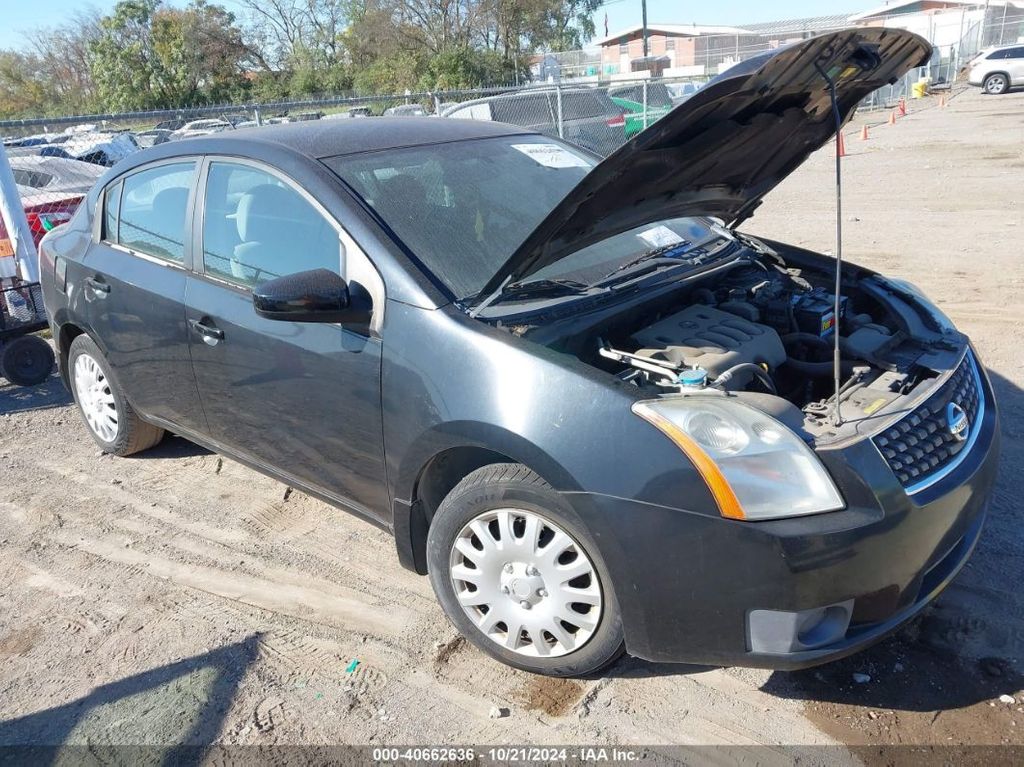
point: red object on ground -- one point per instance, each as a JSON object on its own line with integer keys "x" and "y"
{"x": 902, "y": 107}
{"x": 864, "y": 133}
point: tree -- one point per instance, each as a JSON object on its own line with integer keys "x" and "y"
{"x": 147, "y": 56}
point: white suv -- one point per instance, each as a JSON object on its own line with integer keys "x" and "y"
{"x": 998, "y": 69}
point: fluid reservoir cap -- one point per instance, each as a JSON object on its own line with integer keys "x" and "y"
{"x": 696, "y": 377}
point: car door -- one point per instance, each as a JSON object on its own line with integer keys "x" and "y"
{"x": 133, "y": 282}
{"x": 301, "y": 398}
{"x": 1015, "y": 65}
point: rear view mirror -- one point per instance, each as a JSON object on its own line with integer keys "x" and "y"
{"x": 318, "y": 295}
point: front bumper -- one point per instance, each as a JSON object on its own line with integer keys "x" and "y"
{"x": 687, "y": 583}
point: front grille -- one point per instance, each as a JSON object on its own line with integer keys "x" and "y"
{"x": 920, "y": 448}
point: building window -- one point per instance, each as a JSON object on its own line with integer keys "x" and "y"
{"x": 670, "y": 43}
{"x": 624, "y": 45}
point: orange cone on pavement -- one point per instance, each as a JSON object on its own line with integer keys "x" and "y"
{"x": 864, "y": 133}
{"x": 892, "y": 117}
{"x": 902, "y": 107}
{"x": 942, "y": 100}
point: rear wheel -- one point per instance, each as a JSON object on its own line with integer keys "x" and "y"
{"x": 26, "y": 360}
{"x": 111, "y": 420}
{"x": 520, "y": 578}
{"x": 996, "y": 84}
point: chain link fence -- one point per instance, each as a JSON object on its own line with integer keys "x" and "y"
{"x": 55, "y": 161}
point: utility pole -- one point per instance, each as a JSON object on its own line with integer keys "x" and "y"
{"x": 643, "y": 6}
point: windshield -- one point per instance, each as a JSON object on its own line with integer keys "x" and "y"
{"x": 464, "y": 207}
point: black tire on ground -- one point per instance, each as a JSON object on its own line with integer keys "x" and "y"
{"x": 132, "y": 433}
{"x": 512, "y": 485}
{"x": 26, "y": 360}
{"x": 996, "y": 84}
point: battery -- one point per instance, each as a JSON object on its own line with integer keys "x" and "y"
{"x": 814, "y": 312}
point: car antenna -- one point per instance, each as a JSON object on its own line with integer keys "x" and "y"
{"x": 837, "y": 417}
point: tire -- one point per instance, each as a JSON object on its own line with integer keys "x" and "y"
{"x": 26, "y": 360}
{"x": 110, "y": 419}
{"x": 996, "y": 84}
{"x": 510, "y": 586}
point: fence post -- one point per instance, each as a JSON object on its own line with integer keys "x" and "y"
{"x": 558, "y": 94}
{"x": 437, "y": 104}
{"x": 645, "y": 103}
{"x": 256, "y": 115}
{"x": 18, "y": 231}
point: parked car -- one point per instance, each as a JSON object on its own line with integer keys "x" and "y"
{"x": 682, "y": 91}
{"x": 996, "y": 70}
{"x": 171, "y": 125}
{"x": 152, "y": 137}
{"x": 630, "y": 98}
{"x": 589, "y": 118}
{"x": 98, "y": 147}
{"x": 405, "y": 110}
{"x": 202, "y": 127}
{"x": 591, "y": 409}
{"x": 50, "y": 188}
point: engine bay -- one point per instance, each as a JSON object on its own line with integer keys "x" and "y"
{"x": 765, "y": 330}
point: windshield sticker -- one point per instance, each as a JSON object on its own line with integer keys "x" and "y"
{"x": 551, "y": 155}
{"x": 660, "y": 236}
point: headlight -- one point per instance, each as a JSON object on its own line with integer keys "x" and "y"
{"x": 755, "y": 467}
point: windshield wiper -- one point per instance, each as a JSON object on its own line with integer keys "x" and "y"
{"x": 670, "y": 255}
{"x": 542, "y": 288}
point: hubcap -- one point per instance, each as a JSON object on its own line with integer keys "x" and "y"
{"x": 525, "y": 583}
{"x": 996, "y": 84}
{"x": 95, "y": 398}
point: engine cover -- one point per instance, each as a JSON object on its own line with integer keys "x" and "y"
{"x": 711, "y": 339}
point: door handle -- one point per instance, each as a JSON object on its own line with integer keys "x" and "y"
{"x": 97, "y": 286}
{"x": 211, "y": 335}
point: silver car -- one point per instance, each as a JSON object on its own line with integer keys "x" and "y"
{"x": 996, "y": 70}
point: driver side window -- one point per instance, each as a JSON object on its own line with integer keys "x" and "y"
{"x": 257, "y": 228}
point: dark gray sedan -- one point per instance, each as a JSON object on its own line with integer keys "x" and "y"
{"x": 594, "y": 412}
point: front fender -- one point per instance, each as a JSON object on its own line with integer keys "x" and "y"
{"x": 450, "y": 381}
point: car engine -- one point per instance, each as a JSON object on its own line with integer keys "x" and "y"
{"x": 764, "y": 330}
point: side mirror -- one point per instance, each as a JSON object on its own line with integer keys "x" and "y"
{"x": 318, "y": 295}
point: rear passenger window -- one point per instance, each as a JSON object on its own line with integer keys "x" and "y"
{"x": 523, "y": 110}
{"x": 578, "y": 105}
{"x": 153, "y": 210}
{"x": 256, "y": 228}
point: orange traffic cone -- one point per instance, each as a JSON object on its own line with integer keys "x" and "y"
{"x": 892, "y": 117}
{"x": 902, "y": 107}
{"x": 942, "y": 100}
{"x": 864, "y": 133}
{"x": 840, "y": 144}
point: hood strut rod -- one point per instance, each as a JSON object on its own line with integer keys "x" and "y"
{"x": 837, "y": 418}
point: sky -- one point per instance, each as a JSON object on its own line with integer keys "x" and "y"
{"x": 18, "y": 16}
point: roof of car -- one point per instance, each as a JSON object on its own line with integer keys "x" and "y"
{"x": 318, "y": 139}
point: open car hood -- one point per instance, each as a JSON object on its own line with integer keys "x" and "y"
{"x": 718, "y": 153}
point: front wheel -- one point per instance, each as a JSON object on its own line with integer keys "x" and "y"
{"x": 520, "y": 578}
{"x": 996, "y": 84}
{"x": 112, "y": 422}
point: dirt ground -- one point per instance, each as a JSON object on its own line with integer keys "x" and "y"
{"x": 177, "y": 598}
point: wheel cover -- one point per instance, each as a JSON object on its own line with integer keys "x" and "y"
{"x": 995, "y": 84}
{"x": 525, "y": 583}
{"x": 95, "y": 398}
